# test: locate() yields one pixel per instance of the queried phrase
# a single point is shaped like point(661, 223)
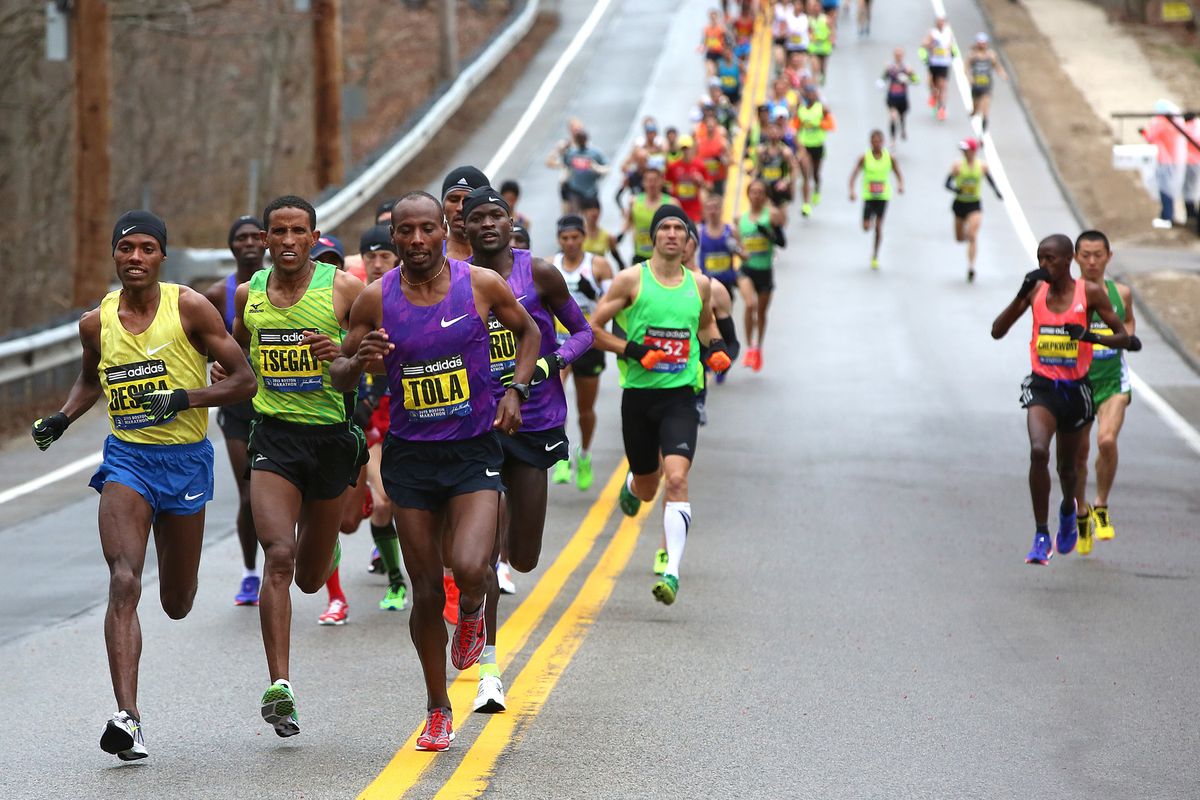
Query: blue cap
point(327, 244)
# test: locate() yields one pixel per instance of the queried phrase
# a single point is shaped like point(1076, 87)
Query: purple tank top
point(716, 257)
point(438, 371)
point(547, 404)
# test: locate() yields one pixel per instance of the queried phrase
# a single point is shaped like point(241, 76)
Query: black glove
point(161, 405)
point(47, 430)
point(636, 350)
point(1079, 333)
point(587, 288)
point(545, 368)
point(1031, 280)
point(1134, 345)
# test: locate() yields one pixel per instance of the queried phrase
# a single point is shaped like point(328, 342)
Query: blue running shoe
point(1068, 531)
point(248, 596)
point(1041, 552)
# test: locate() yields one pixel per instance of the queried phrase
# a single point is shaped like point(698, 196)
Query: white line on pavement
point(65, 471)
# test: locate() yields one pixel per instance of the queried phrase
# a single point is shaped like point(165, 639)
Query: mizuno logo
point(259, 458)
point(490, 474)
point(550, 447)
point(256, 307)
point(198, 494)
point(154, 350)
point(127, 230)
point(446, 323)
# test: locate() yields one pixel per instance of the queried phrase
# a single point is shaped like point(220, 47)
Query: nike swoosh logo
point(522, 297)
point(490, 474)
point(192, 496)
point(154, 350)
point(127, 230)
point(447, 323)
point(550, 447)
point(259, 458)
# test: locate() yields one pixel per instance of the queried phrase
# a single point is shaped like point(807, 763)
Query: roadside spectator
point(1169, 143)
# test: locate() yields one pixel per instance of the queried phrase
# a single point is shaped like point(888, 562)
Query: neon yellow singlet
point(968, 181)
point(160, 357)
point(877, 180)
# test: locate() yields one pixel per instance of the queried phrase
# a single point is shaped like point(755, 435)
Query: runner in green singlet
point(821, 36)
point(876, 165)
point(1109, 376)
point(966, 181)
point(812, 116)
point(642, 208)
point(761, 229)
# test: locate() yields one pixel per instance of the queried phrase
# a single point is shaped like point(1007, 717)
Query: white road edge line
point(1016, 214)
point(502, 154)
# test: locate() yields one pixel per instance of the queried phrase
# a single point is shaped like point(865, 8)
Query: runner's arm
point(987, 173)
point(207, 326)
point(620, 295)
point(899, 177)
point(499, 300)
point(602, 272)
point(554, 295)
point(364, 344)
point(999, 67)
point(1099, 304)
point(1013, 311)
point(776, 232)
point(854, 176)
point(84, 392)
point(241, 334)
point(1127, 298)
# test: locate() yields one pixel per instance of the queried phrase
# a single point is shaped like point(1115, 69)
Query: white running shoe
point(504, 578)
point(123, 737)
point(489, 697)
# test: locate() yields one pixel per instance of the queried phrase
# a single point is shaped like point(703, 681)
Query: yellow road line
point(529, 692)
point(407, 766)
point(757, 75)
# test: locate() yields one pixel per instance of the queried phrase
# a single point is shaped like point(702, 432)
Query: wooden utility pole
point(447, 39)
point(90, 40)
point(327, 47)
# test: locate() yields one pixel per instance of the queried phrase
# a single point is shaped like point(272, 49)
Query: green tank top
point(1106, 361)
point(643, 215)
point(820, 38)
point(968, 181)
point(811, 132)
point(760, 248)
point(877, 176)
point(293, 385)
point(666, 317)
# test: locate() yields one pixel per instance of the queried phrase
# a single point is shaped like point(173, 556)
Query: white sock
point(677, 518)
point(250, 573)
point(629, 481)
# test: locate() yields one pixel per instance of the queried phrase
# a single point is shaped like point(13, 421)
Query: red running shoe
point(450, 612)
point(469, 637)
point(438, 732)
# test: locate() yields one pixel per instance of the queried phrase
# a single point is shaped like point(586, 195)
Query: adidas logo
point(463, 182)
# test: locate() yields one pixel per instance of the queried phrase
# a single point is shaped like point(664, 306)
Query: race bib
point(125, 381)
point(756, 244)
point(581, 163)
point(675, 342)
point(876, 187)
point(983, 79)
point(436, 389)
point(712, 165)
point(502, 346)
point(1102, 352)
point(685, 191)
point(729, 81)
point(772, 173)
point(641, 242)
point(717, 262)
point(1055, 348)
point(284, 364)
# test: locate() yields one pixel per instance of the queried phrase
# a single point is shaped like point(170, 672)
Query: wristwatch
point(522, 390)
point(560, 361)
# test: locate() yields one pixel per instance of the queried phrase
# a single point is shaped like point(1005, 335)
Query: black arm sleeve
point(991, 182)
point(778, 236)
point(729, 334)
point(950, 183)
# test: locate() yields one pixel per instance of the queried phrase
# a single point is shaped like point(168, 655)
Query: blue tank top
point(716, 255)
point(438, 371)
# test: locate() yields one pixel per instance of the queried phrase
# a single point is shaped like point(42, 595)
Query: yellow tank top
point(160, 357)
point(598, 244)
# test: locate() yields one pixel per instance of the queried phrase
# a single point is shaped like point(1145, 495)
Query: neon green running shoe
point(665, 589)
point(629, 502)
point(279, 708)
point(805, 209)
point(660, 562)
point(562, 472)
point(583, 473)
point(396, 598)
point(816, 198)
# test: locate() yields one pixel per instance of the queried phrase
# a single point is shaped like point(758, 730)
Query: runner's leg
point(1042, 425)
point(277, 503)
point(1110, 417)
point(124, 520)
point(422, 549)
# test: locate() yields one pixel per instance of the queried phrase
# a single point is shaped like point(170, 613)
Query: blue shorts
point(173, 478)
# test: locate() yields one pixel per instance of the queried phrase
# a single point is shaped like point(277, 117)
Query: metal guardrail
point(54, 347)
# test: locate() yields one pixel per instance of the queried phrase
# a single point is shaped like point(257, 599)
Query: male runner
point(354, 263)
point(457, 184)
point(713, 43)
point(876, 165)
point(329, 250)
point(1109, 376)
point(245, 242)
point(542, 440)
point(761, 229)
point(305, 450)
point(687, 180)
point(822, 37)
point(510, 190)
point(596, 239)
point(144, 352)
point(965, 180)
point(813, 130)
point(712, 148)
point(1057, 393)
point(938, 52)
point(587, 276)
point(776, 166)
point(897, 76)
point(982, 62)
point(427, 322)
point(666, 312)
point(642, 208)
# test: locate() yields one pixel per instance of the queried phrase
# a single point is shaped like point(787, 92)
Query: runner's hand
point(648, 357)
point(217, 373)
point(1134, 345)
point(508, 414)
point(853, 196)
point(373, 347)
point(362, 413)
point(47, 429)
point(718, 356)
point(161, 405)
point(321, 345)
point(1031, 280)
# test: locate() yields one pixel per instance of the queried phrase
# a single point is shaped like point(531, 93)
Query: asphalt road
point(855, 617)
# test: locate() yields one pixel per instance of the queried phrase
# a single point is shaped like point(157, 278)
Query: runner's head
point(810, 93)
point(1092, 253)
point(877, 140)
point(669, 231)
point(139, 244)
point(649, 129)
point(520, 238)
point(511, 192)
point(570, 235)
point(764, 114)
point(652, 176)
point(1054, 254)
point(714, 206)
point(795, 60)
point(981, 41)
point(814, 7)
point(246, 243)
point(672, 138)
point(378, 251)
point(329, 250)
point(459, 183)
point(383, 213)
point(580, 137)
point(489, 221)
point(940, 22)
point(756, 194)
point(687, 146)
point(969, 148)
point(690, 246)
point(418, 231)
point(708, 117)
point(590, 206)
point(898, 54)
point(291, 232)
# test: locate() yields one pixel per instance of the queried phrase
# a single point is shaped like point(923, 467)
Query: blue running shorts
point(173, 478)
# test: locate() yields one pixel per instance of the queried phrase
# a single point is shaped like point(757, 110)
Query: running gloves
point(543, 369)
point(1031, 280)
point(1079, 333)
point(718, 356)
point(648, 357)
point(161, 405)
point(47, 430)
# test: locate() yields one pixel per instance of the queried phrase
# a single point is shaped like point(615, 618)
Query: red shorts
point(381, 417)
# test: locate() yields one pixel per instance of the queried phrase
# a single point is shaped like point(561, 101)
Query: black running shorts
point(1069, 401)
point(899, 102)
point(763, 279)
point(424, 475)
point(938, 72)
point(588, 365)
point(539, 449)
point(235, 420)
point(965, 208)
point(655, 421)
point(874, 208)
point(320, 460)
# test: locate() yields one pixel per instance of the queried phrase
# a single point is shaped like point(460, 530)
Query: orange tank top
point(714, 39)
point(1052, 351)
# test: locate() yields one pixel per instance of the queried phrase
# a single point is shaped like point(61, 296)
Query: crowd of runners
point(420, 385)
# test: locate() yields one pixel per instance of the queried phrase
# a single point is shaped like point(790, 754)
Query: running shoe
point(123, 737)
point(1041, 552)
point(248, 596)
point(874, 263)
point(941, 115)
point(660, 562)
point(489, 697)
point(335, 614)
point(395, 599)
point(376, 566)
point(1104, 526)
point(970, 275)
point(806, 209)
point(438, 732)
point(583, 471)
point(469, 638)
point(1067, 531)
point(450, 610)
point(279, 708)
point(629, 502)
point(562, 472)
point(748, 359)
point(1085, 533)
point(932, 101)
point(504, 578)
point(758, 359)
point(816, 198)
point(665, 589)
